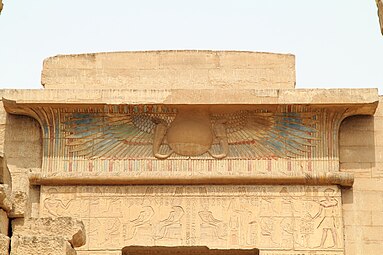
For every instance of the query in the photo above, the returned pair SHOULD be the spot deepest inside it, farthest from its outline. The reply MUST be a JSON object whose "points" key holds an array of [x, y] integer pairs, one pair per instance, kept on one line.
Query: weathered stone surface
{"points": [[5, 176], [5, 194], [22, 144], [209, 215], [4, 222], [171, 69], [365, 100], [20, 192], [19, 204], [70, 230], [4, 245], [36, 245]]}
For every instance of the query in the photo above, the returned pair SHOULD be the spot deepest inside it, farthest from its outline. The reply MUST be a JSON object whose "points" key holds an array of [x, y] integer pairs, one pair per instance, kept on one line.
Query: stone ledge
{"points": [[185, 96]]}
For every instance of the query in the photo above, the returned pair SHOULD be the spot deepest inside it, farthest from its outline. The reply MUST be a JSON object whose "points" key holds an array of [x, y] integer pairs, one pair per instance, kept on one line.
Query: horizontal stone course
{"points": [[170, 70]]}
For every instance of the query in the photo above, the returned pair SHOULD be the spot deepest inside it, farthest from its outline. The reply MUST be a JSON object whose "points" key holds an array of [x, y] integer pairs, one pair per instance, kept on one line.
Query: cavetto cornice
{"points": [[276, 136]]}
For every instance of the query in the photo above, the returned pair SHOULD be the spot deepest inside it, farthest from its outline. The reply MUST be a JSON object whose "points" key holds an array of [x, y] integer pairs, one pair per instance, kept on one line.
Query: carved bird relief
{"points": [[190, 131]]}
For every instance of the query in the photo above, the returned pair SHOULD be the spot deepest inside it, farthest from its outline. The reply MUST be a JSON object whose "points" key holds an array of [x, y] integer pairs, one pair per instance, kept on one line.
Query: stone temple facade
{"points": [[204, 151]]}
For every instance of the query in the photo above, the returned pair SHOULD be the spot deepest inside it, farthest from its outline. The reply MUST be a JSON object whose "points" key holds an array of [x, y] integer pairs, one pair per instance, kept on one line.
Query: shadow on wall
{"points": [[356, 149], [23, 142]]}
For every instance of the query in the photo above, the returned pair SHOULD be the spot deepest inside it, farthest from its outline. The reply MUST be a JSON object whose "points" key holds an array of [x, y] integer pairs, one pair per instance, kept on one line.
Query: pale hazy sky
{"points": [[337, 43]]}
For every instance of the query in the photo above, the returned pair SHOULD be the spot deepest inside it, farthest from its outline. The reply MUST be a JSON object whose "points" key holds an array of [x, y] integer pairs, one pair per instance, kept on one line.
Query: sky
{"points": [[337, 43]]}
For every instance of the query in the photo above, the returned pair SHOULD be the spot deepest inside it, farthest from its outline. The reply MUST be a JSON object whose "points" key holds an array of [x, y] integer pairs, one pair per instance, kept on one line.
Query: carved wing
{"points": [[267, 135], [99, 135]]}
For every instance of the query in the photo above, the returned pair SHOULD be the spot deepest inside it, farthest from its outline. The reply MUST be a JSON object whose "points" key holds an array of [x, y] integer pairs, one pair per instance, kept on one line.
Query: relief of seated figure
{"points": [[170, 228]]}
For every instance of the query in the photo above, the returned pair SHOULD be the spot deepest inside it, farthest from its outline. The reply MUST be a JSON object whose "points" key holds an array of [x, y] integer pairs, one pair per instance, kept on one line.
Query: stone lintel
{"points": [[365, 101], [185, 250]]}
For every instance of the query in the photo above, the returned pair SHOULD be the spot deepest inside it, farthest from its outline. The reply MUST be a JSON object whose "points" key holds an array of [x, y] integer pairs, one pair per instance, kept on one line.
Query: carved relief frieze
{"points": [[181, 141], [271, 218]]}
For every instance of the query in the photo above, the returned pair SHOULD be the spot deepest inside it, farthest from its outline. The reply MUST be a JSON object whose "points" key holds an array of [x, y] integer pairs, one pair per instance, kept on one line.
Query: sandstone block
{"points": [[69, 229], [349, 137], [170, 70], [368, 184], [377, 170], [379, 4], [359, 123], [373, 233], [36, 245], [4, 222], [357, 218], [371, 248], [369, 199], [377, 218], [360, 170], [357, 154], [5, 202], [379, 109], [5, 176], [4, 245], [19, 204]]}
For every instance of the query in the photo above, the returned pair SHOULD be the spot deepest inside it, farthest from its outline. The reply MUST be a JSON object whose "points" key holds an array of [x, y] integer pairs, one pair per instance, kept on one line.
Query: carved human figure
{"points": [[252, 233], [142, 221], [266, 203], [288, 230], [328, 220], [267, 232], [173, 221], [55, 206], [112, 231], [286, 204], [209, 222]]}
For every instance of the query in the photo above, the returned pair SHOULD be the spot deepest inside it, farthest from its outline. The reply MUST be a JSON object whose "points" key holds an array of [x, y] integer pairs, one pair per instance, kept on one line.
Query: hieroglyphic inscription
{"points": [[295, 218]]}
